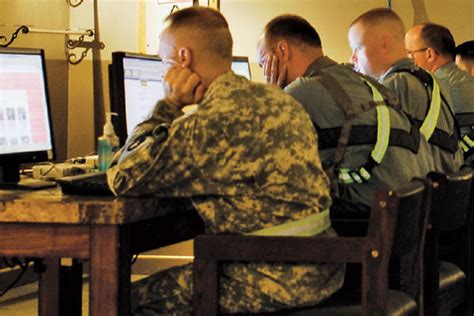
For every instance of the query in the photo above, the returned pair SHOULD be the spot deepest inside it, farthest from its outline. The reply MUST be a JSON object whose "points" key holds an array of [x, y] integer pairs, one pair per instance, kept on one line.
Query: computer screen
{"points": [[26, 134], [136, 84], [241, 66]]}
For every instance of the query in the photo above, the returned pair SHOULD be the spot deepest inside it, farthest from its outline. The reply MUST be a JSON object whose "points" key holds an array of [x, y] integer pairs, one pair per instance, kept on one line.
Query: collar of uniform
{"points": [[445, 70], [319, 64], [222, 80], [405, 63]]}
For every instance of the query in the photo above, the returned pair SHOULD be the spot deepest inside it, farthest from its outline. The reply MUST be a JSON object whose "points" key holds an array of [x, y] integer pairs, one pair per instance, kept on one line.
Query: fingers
{"points": [[199, 93], [267, 71], [274, 72], [181, 84], [281, 82]]}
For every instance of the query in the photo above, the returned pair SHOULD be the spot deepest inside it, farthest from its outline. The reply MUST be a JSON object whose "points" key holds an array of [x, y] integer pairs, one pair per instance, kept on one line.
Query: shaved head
{"points": [[377, 41], [202, 28], [197, 38]]}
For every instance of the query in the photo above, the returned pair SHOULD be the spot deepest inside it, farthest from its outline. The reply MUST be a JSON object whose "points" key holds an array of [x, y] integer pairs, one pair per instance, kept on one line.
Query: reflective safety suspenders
{"points": [[429, 124], [306, 227], [467, 144], [466, 122], [364, 173]]}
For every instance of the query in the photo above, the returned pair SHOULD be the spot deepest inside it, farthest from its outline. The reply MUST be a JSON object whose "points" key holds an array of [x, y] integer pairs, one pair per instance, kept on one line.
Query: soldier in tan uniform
{"points": [[247, 158], [377, 40]]}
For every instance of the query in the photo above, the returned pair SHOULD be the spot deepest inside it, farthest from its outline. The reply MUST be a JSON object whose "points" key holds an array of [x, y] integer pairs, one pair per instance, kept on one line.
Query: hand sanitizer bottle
{"points": [[107, 143]]}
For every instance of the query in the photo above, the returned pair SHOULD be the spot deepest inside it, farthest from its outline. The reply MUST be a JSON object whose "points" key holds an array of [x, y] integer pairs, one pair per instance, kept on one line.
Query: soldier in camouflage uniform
{"points": [[290, 51], [378, 50], [247, 158]]}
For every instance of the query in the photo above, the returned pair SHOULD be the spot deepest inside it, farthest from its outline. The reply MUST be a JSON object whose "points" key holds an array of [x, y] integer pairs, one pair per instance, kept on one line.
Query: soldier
{"points": [[383, 149], [247, 158], [437, 55], [378, 50]]}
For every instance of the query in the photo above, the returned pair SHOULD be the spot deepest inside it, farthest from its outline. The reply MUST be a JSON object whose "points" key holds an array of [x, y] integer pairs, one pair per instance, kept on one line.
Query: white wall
{"points": [[134, 25]]}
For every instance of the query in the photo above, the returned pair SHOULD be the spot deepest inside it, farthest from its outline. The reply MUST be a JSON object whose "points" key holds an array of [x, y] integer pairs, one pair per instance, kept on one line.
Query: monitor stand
{"points": [[10, 179]]}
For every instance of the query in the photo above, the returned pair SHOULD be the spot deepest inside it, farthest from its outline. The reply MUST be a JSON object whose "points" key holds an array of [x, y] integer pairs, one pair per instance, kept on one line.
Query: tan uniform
{"points": [[248, 159]]}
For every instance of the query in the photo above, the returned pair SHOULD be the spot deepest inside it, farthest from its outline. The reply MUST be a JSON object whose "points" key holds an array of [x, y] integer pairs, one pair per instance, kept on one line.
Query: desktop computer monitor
{"points": [[26, 134], [241, 66], [135, 84]]}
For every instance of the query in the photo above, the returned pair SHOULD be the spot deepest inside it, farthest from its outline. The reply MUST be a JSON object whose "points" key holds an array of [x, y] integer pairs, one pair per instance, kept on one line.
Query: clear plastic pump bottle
{"points": [[108, 143]]}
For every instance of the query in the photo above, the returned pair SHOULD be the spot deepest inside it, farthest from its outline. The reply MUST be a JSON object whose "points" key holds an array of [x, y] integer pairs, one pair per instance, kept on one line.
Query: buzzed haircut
{"points": [[292, 27], [209, 21], [380, 15], [439, 38], [466, 50]]}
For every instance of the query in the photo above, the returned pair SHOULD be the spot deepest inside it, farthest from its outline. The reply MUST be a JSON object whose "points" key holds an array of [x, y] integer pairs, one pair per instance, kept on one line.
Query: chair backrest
{"points": [[406, 257], [372, 251], [449, 225], [451, 201]]}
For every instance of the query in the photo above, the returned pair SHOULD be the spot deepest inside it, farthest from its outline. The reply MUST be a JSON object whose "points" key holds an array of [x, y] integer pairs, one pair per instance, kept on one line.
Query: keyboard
{"points": [[85, 184]]}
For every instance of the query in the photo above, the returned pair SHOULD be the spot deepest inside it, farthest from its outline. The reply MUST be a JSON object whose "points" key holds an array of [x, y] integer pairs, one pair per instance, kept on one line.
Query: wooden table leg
{"points": [[48, 304], [109, 271], [70, 285]]}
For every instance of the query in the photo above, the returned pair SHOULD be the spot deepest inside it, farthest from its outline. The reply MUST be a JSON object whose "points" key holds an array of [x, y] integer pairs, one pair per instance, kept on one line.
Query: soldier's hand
{"points": [[275, 72], [183, 87]]}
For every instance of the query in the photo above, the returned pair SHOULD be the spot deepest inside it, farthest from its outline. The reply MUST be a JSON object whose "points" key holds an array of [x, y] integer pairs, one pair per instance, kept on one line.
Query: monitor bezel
{"points": [[117, 90], [8, 159], [243, 59]]}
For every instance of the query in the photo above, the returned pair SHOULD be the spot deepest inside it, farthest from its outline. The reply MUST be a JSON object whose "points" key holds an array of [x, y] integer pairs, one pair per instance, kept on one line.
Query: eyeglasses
{"points": [[411, 53]]}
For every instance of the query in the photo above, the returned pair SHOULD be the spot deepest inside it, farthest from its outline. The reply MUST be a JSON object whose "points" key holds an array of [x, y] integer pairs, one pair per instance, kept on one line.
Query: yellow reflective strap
{"points": [[383, 133], [344, 176], [309, 226], [431, 119], [364, 174], [468, 141], [376, 95]]}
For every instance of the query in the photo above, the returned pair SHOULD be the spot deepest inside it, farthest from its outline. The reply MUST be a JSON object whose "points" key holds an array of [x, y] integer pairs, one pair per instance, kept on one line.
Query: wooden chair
{"points": [[448, 246], [399, 212]]}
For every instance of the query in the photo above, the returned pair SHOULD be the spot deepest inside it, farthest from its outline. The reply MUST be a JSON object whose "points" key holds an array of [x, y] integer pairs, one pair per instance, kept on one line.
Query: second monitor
{"points": [[136, 84]]}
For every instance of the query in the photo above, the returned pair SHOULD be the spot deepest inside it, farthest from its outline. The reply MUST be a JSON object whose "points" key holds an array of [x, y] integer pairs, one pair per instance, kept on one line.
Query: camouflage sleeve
{"points": [[152, 149]]}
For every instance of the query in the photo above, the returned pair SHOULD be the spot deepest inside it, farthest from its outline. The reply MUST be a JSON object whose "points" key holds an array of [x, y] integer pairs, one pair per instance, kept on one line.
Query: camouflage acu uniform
{"points": [[414, 98], [248, 160], [402, 160]]}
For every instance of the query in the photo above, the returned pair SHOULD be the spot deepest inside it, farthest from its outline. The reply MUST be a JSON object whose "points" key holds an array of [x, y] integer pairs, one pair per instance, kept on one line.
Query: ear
{"points": [[282, 50], [185, 57], [431, 55], [385, 43]]}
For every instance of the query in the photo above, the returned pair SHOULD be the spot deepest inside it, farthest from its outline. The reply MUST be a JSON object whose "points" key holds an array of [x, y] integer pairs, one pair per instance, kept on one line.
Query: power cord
{"points": [[13, 262]]}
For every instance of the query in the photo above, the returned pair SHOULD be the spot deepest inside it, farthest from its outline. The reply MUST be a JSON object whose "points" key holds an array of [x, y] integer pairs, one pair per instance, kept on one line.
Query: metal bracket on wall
{"points": [[74, 3], [71, 44]]}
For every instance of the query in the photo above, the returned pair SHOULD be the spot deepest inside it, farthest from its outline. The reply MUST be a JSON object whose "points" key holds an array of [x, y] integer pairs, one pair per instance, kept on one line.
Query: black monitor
{"points": [[136, 84], [26, 134], [241, 66]]}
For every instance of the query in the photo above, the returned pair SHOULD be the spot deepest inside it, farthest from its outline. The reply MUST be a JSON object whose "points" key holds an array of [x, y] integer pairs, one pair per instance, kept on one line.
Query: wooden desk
{"points": [[105, 230]]}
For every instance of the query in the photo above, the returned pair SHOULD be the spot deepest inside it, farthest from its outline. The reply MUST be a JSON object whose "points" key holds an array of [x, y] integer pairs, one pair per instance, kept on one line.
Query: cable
{"points": [[23, 267]]}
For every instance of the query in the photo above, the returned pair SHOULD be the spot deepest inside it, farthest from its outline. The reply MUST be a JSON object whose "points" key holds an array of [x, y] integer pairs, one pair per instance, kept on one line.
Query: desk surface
{"points": [[51, 206]]}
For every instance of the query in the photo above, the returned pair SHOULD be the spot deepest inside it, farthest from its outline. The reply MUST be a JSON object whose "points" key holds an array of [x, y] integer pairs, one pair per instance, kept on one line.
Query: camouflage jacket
{"points": [[247, 158]]}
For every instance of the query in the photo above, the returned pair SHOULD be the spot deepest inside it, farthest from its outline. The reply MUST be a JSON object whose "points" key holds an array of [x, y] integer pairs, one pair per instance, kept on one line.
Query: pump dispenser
{"points": [[108, 143]]}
